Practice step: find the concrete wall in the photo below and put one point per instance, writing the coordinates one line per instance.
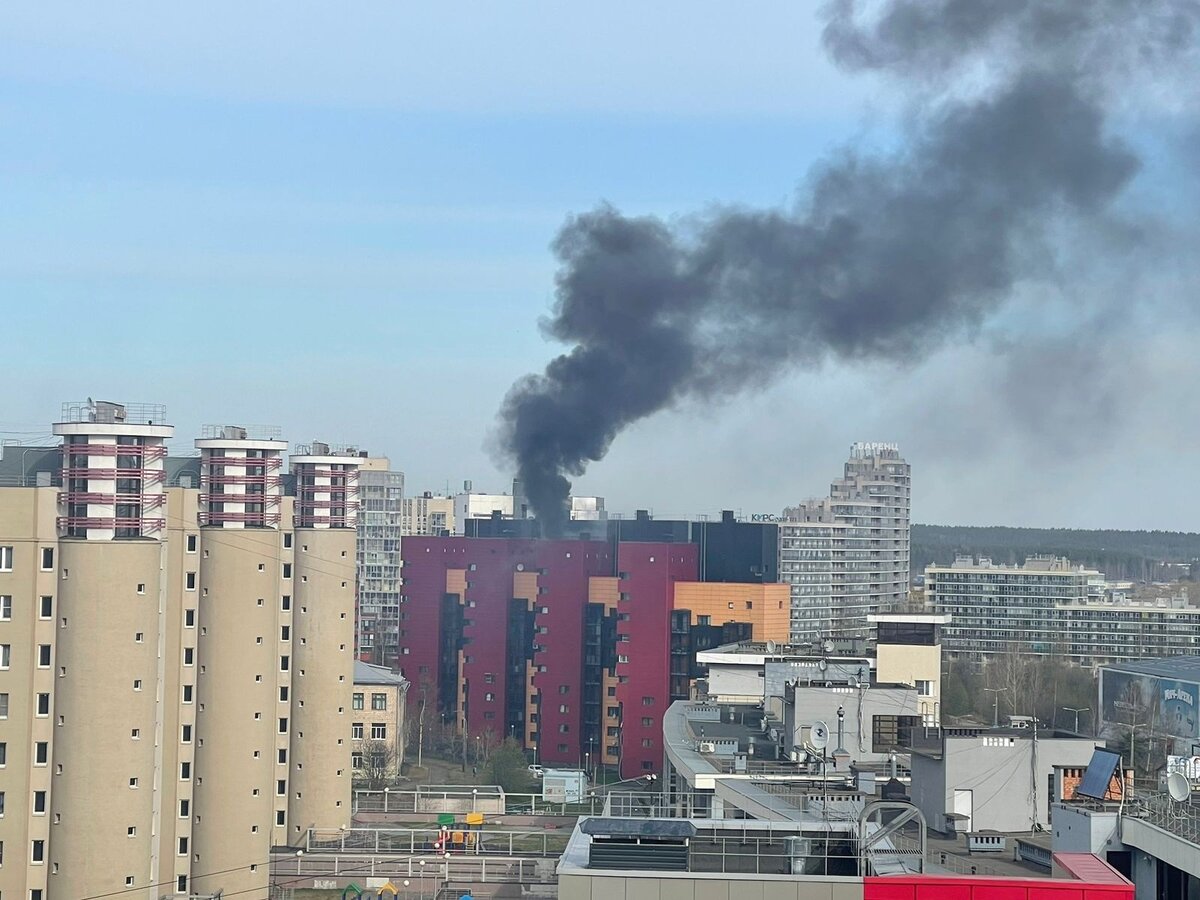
(683, 886)
(907, 664)
(998, 770)
(821, 703)
(107, 703)
(320, 778)
(241, 574)
(27, 523)
(765, 606)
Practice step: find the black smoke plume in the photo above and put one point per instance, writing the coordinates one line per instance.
(1007, 146)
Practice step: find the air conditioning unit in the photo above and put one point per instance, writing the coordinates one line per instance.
(708, 747)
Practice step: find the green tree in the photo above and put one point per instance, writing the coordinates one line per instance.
(508, 769)
(955, 699)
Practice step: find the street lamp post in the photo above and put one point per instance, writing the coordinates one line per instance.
(1072, 709)
(995, 704)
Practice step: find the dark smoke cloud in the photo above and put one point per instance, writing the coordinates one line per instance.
(882, 258)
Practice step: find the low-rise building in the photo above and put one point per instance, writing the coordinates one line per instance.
(990, 779)
(377, 735)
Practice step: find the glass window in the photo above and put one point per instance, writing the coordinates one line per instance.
(357, 701)
(379, 701)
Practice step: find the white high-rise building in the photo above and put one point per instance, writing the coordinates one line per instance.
(846, 556)
(381, 506)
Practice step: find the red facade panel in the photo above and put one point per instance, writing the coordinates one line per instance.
(647, 572)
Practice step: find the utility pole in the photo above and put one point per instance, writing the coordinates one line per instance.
(421, 730)
(996, 705)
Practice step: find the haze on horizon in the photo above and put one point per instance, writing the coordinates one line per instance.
(341, 225)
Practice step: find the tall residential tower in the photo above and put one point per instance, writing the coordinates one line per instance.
(175, 656)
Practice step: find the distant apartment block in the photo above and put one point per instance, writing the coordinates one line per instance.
(176, 652)
(381, 506)
(427, 514)
(1049, 607)
(377, 727)
(846, 556)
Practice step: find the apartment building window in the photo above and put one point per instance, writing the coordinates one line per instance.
(191, 543)
(39, 803)
(5, 656)
(189, 581)
(283, 694)
(647, 742)
(185, 734)
(356, 731)
(185, 771)
(378, 731)
(283, 664)
(287, 540)
(925, 688)
(379, 701)
(3, 754)
(183, 845)
(647, 701)
(356, 759)
(285, 603)
(279, 816)
(4, 706)
(283, 724)
(285, 632)
(282, 756)
(181, 884)
(647, 722)
(287, 570)
(38, 852)
(43, 705)
(5, 607)
(189, 618)
(189, 656)
(47, 559)
(489, 696)
(6, 559)
(1, 804)
(358, 701)
(43, 656)
(46, 607)
(280, 788)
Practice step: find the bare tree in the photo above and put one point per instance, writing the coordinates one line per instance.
(378, 763)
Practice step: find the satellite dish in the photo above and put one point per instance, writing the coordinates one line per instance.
(770, 647)
(818, 735)
(822, 664)
(1179, 787)
(827, 646)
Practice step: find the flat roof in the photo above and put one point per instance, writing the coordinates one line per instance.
(1187, 667)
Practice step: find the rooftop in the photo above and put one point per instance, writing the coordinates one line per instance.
(1186, 667)
(365, 673)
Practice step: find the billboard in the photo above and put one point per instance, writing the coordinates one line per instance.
(1166, 705)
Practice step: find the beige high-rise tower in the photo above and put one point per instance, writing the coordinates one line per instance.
(175, 657)
(326, 515)
(245, 622)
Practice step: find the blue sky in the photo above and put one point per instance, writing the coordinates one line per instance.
(338, 219)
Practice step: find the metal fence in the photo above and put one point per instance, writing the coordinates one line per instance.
(457, 801)
(425, 877)
(463, 840)
(1181, 819)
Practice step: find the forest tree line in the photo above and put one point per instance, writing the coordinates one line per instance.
(1120, 555)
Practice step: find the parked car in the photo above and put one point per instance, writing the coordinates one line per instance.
(536, 771)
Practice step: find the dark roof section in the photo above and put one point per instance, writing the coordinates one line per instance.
(1184, 668)
(648, 828)
(19, 466)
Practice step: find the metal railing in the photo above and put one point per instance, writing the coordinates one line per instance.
(1181, 819)
(460, 801)
(426, 875)
(463, 840)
